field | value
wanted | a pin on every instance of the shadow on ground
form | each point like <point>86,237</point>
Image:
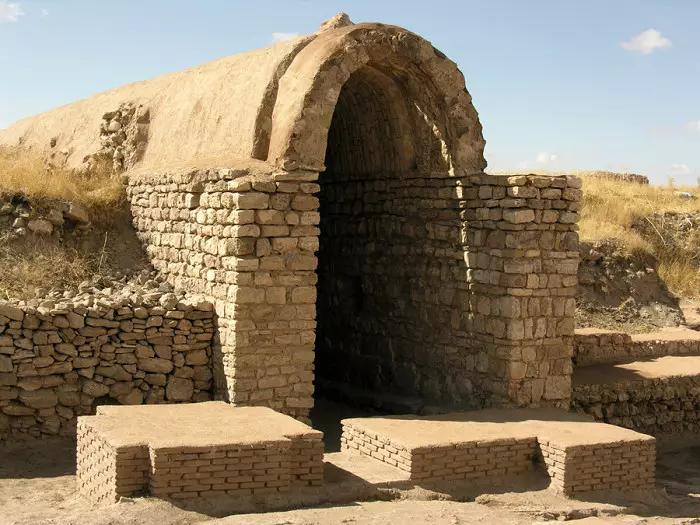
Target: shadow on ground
<point>48,458</point>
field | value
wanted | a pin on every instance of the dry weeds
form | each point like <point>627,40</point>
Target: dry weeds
<point>27,173</point>
<point>610,209</point>
<point>30,268</point>
<point>35,269</point>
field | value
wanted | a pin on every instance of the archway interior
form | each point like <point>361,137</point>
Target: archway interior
<point>389,327</point>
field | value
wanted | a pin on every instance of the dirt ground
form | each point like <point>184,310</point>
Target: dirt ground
<point>37,487</point>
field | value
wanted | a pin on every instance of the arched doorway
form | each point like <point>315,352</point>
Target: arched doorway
<point>390,257</point>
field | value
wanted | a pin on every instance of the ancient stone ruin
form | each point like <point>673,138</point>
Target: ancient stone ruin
<point>331,202</point>
<point>326,201</point>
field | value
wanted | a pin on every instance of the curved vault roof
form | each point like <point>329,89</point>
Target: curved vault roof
<point>273,104</point>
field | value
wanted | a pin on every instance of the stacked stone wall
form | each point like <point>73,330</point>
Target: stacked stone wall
<point>521,248</point>
<point>618,177</point>
<point>392,284</point>
<point>59,361</point>
<point>592,347</point>
<point>654,406</point>
<point>248,242</point>
<point>458,288</point>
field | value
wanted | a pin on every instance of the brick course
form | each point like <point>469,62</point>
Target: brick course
<point>578,455</point>
<point>115,462</point>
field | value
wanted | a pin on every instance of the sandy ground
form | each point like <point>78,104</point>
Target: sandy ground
<point>37,487</point>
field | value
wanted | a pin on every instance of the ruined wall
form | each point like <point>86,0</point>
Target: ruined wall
<point>60,360</point>
<point>521,249</point>
<point>595,346</point>
<point>617,177</point>
<point>648,405</point>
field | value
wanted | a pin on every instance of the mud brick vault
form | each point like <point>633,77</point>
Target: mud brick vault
<point>328,195</point>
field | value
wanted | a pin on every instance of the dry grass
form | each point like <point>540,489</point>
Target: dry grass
<point>32,265</point>
<point>26,173</point>
<point>42,266</point>
<point>610,209</point>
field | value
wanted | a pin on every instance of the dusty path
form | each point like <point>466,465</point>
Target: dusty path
<point>37,487</point>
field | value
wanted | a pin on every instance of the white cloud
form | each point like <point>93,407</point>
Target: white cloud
<point>647,42</point>
<point>544,157</point>
<point>10,12</point>
<point>281,37</point>
<point>44,12</point>
<point>523,165</point>
<point>693,125</point>
<point>680,169</point>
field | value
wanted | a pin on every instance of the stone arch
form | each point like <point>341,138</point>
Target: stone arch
<point>388,121</point>
<point>310,89</point>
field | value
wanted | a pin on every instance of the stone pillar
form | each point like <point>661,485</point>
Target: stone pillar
<point>268,331</point>
<point>521,249</point>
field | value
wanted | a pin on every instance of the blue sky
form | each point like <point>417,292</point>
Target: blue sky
<point>559,84</point>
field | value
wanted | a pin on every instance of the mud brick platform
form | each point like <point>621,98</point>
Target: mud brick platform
<point>580,456</point>
<point>192,451</point>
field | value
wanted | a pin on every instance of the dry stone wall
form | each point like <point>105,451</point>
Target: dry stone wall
<point>58,360</point>
<point>248,241</point>
<point>662,405</point>
<point>617,177</point>
<point>596,346</point>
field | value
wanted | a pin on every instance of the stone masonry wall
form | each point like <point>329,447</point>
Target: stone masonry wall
<point>392,284</point>
<point>521,249</point>
<point>59,360</point>
<point>247,238</point>
<point>651,406</point>
<point>594,346</point>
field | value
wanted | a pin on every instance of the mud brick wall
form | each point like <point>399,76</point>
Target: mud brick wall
<point>652,406</point>
<point>472,460</point>
<point>61,362</point>
<point>521,249</point>
<point>601,467</point>
<point>378,447</point>
<point>110,467</point>
<point>602,346</point>
<point>106,472</point>
<point>192,472</point>
<point>306,468</point>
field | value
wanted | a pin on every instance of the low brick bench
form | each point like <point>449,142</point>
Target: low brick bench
<point>192,451</point>
<point>580,456</point>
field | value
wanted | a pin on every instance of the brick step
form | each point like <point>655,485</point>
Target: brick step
<point>579,455</point>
